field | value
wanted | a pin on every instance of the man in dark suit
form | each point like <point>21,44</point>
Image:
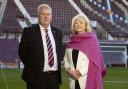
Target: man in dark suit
<point>41,57</point>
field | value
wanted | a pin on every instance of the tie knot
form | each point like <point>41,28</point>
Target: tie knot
<point>46,30</point>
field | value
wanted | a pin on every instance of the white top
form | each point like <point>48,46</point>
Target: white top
<point>46,65</point>
<point>82,66</point>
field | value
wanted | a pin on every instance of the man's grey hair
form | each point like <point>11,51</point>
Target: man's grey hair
<point>42,7</point>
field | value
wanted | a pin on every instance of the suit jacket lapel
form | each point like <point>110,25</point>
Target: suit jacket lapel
<point>38,36</point>
<point>54,33</point>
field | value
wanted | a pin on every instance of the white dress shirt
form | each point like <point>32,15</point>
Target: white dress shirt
<point>46,65</point>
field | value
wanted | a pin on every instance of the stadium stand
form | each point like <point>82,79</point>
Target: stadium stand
<point>14,19</point>
<point>8,50</point>
<point>111,28</point>
<point>9,20</point>
<point>61,10</point>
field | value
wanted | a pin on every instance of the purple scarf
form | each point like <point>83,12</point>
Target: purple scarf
<point>88,44</point>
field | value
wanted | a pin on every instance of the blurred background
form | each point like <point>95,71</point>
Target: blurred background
<point>108,19</point>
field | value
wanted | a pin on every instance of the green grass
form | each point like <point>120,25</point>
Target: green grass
<point>119,75</point>
<point>13,79</point>
<point>116,78</point>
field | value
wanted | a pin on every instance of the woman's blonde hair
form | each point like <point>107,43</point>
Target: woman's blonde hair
<point>81,16</point>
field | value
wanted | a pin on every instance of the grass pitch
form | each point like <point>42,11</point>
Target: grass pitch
<point>116,78</point>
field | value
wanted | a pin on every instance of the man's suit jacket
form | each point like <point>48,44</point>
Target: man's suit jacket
<point>31,53</point>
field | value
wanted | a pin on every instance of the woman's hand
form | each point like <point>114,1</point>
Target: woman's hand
<point>78,74</point>
<point>74,74</point>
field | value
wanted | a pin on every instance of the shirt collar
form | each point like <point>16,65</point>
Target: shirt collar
<point>42,28</point>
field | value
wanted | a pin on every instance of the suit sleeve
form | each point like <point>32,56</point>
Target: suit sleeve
<point>24,46</point>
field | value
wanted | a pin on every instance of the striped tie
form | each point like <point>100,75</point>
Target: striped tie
<point>50,50</point>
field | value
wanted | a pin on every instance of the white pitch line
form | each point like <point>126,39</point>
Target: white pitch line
<point>116,81</point>
<point>4,77</point>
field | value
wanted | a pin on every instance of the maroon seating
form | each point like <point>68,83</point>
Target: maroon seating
<point>62,12</point>
<point>10,18</point>
<point>8,50</point>
<point>109,27</point>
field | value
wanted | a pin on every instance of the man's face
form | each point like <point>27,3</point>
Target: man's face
<point>45,17</point>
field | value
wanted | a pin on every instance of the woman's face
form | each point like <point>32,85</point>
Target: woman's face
<point>79,26</point>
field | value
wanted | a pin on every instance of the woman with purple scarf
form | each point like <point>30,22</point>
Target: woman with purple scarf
<point>83,58</point>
